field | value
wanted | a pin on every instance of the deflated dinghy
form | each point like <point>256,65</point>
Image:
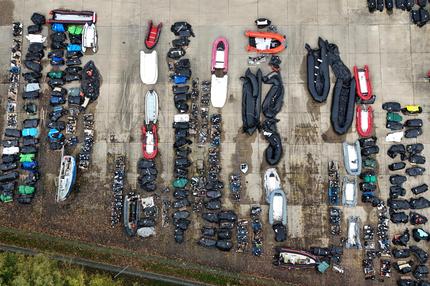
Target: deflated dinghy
<point>352,158</point>
<point>274,151</point>
<point>318,71</point>
<point>151,107</point>
<point>148,67</point>
<point>274,99</point>
<point>364,120</point>
<point>251,101</point>
<point>342,108</point>
<point>219,68</point>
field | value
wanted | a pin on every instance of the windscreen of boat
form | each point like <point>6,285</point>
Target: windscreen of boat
<point>350,192</point>
<point>278,203</point>
<point>363,82</point>
<point>352,157</point>
<point>364,119</point>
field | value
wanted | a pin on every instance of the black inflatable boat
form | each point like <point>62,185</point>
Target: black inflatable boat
<point>342,106</point>
<point>251,100</point>
<point>274,99</point>
<point>318,71</point>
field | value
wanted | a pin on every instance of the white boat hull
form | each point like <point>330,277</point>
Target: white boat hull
<point>148,67</point>
<point>151,107</point>
<point>219,90</point>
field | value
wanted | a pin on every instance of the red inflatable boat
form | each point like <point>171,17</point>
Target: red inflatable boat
<point>364,120</point>
<point>149,141</point>
<point>265,42</point>
<point>362,80</point>
<point>153,35</point>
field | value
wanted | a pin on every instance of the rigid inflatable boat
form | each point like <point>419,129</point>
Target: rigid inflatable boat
<point>318,74</point>
<point>352,158</point>
<point>292,258</point>
<point>149,141</point>
<point>265,42</point>
<point>151,107</point>
<point>349,197</point>
<point>364,120</point>
<point>148,67</point>
<point>362,82</point>
<point>342,107</point>
<point>153,35</point>
<point>271,182</point>
<point>219,68</point>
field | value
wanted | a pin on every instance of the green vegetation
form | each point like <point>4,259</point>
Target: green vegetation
<point>17,270</point>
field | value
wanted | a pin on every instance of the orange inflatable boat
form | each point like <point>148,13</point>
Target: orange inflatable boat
<point>265,42</point>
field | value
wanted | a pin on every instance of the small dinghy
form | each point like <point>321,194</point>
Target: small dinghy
<point>148,67</point>
<point>67,177</point>
<point>362,81</point>
<point>153,35</point>
<point>151,107</point>
<point>292,258</point>
<point>265,42</point>
<point>149,141</point>
<point>352,158</point>
<point>89,38</point>
<point>364,120</point>
<point>318,75</point>
<point>219,68</point>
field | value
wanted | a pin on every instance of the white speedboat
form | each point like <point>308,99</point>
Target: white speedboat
<point>67,177</point>
<point>151,107</point>
<point>219,68</point>
<point>148,67</point>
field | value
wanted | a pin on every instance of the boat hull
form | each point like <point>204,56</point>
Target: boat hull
<point>364,120</point>
<point>342,108</point>
<point>318,73</point>
<point>153,35</point>
<point>67,177</point>
<point>149,142</point>
<point>148,67</point>
<point>352,158</point>
<point>296,258</point>
<point>362,81</point>
<point>219,90</point>
<point>151,107</point>
<point>219,60</point>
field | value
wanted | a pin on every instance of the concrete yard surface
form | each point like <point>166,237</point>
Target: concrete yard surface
<point>398,55</point>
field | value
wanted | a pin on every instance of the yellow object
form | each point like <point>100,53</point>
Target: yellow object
<point>412,108</point>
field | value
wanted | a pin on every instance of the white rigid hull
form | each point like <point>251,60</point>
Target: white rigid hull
<point>67,177</point>
<point>219,90</point>
<point>272,182</point>
<point>148,67</point>
<point>352,158</point>
<point>151,107</point>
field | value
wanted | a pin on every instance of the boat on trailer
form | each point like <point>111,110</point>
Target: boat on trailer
<point>292,258</point>
<point>67,177</point>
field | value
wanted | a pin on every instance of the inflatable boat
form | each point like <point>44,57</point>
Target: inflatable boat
<point>364,120</point>
<point>362,82</point>
<point>318,74</point>
<point>89,37</point>
<point>148,67</point>
<point>219,68</point>
<point>153,35</point>
<point>292,258</point>
<point>277,207</point>
<point>251,101</point>
<point>131,211</point>
<point>352,158</point>
<point>265,42</point>
<point>342,107</point>
<point>151,107</point>
<point>149,141</point>
<point>274,99</point>
<point>72,17</point>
